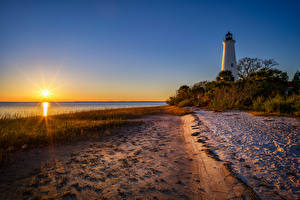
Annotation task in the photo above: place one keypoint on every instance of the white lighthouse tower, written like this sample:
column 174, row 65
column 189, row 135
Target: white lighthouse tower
column 229, row 60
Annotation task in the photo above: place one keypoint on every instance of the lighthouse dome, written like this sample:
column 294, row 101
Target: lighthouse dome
column 228, row 36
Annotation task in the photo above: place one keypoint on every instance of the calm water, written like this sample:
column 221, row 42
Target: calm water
column 13, row 109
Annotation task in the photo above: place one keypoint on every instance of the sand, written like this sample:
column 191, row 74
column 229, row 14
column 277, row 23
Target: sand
column 158, row 159
column 216, row 181
column 263, row 151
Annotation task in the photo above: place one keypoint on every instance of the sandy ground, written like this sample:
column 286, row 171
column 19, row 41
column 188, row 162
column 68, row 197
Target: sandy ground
column 156, row 160
column 263, row 151
column 216, row 181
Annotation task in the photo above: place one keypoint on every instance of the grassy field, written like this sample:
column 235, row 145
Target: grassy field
column 24, row 133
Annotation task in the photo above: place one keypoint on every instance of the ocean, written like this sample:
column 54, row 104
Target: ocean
column 25, row 109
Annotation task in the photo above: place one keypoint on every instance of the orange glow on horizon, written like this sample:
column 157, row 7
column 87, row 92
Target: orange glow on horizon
column 52, row 86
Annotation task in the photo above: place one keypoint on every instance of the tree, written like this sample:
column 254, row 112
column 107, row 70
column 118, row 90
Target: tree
column 296, row 77
column 183, row 92
column 225, row 75
column 274, row 75
column 201, row 84
column 296, row 82
column 197, row 89
column 269, row 82
column 196, row 92
column 246, row 66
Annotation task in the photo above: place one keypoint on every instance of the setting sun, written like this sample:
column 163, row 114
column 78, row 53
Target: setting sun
column 45, row 93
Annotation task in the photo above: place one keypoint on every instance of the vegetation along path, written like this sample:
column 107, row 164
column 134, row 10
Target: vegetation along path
column 153, row 160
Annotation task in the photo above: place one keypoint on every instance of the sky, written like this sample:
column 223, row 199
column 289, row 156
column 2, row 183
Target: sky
column 134, row 50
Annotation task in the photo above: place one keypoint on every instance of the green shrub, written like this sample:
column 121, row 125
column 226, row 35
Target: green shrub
column 171, row 101
column 262, row 90
column 186, row 102
column 258, row 104
column 279, row 104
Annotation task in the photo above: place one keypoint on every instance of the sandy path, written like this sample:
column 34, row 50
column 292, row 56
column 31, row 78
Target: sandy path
column 152, row 161
column 216, row 182
column 147, row 161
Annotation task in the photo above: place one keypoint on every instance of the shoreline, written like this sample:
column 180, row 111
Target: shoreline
column 29, row 132
column 82, row 101
column 36, row 109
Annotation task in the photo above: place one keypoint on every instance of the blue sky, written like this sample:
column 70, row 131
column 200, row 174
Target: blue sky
column 135, row 50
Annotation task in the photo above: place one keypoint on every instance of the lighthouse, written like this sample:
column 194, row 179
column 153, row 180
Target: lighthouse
column 229, row 60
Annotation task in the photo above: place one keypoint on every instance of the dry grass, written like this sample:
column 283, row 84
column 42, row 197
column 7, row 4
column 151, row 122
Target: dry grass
column 39, row 131
column 276, row 114
column 173, row 110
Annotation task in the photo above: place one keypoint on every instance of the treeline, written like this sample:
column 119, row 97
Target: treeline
column 260, row 87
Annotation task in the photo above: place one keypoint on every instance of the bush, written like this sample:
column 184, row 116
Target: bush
column 171, row 101
column 279, row 104
column 258, row 104
column 262, row 90
column 186, row 102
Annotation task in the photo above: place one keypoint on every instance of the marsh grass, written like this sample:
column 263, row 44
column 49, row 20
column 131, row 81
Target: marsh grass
column 27, row 132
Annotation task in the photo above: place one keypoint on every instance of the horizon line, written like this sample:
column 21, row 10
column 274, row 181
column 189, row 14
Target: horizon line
column 78, row 101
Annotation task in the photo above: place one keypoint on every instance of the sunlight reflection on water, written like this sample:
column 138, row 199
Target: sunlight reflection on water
column 45, row 108
column 25, row 109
